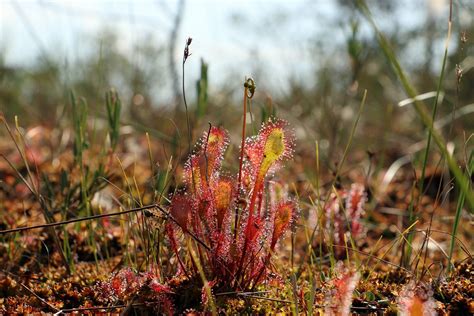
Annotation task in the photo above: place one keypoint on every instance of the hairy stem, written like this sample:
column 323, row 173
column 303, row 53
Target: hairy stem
column 241, row 160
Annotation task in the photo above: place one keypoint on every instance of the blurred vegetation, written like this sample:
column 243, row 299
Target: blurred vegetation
column 323, row 105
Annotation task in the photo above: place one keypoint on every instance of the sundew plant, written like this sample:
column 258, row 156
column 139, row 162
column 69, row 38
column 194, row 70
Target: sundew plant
column 235, row 221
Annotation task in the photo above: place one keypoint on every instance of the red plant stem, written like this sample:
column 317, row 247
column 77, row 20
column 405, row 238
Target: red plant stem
column 260, row 274
column 249, row 266
column 257, row 188
column 242, row 150
column 174, row 247
column 205, row 157
column 260, row 201
column 267, row 260
column 256, row 191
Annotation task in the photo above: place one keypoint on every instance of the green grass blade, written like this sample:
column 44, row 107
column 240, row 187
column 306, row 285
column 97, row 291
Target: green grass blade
column 459, row 207
column 419, row 106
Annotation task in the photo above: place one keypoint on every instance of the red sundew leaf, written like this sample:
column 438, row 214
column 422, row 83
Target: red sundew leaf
column 220, row 242
column 344, row 211
column 253, row 152
column 116, row 285
column 180, row 210
column 355, row 201
column 273, row 144
column 204, row 206
column 356, row 197
column 208, row 156
column 416, row 308
column 120, row 285
column 162, row 292
column 167, row 306
column 334, row 216
column 159, row 288
column 277, row 140
column 192, row 174
column 416, row 300
column 284, row 214
column 339, row 299
column 248, row 175
column 223, row 197
column 215, row 144
column 253, row 231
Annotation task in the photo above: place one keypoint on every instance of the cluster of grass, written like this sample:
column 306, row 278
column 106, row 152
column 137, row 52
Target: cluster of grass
column 184, row 236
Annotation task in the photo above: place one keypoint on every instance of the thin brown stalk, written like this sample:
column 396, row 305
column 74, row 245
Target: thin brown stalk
column 95, row 308
column 75, row 220
column 241, row 159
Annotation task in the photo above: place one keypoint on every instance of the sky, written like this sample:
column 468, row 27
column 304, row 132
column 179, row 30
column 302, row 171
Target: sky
column 274, row 36
column 60, row 27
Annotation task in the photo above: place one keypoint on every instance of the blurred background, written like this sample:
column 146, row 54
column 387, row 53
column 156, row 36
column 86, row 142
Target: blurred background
column 311, row 61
